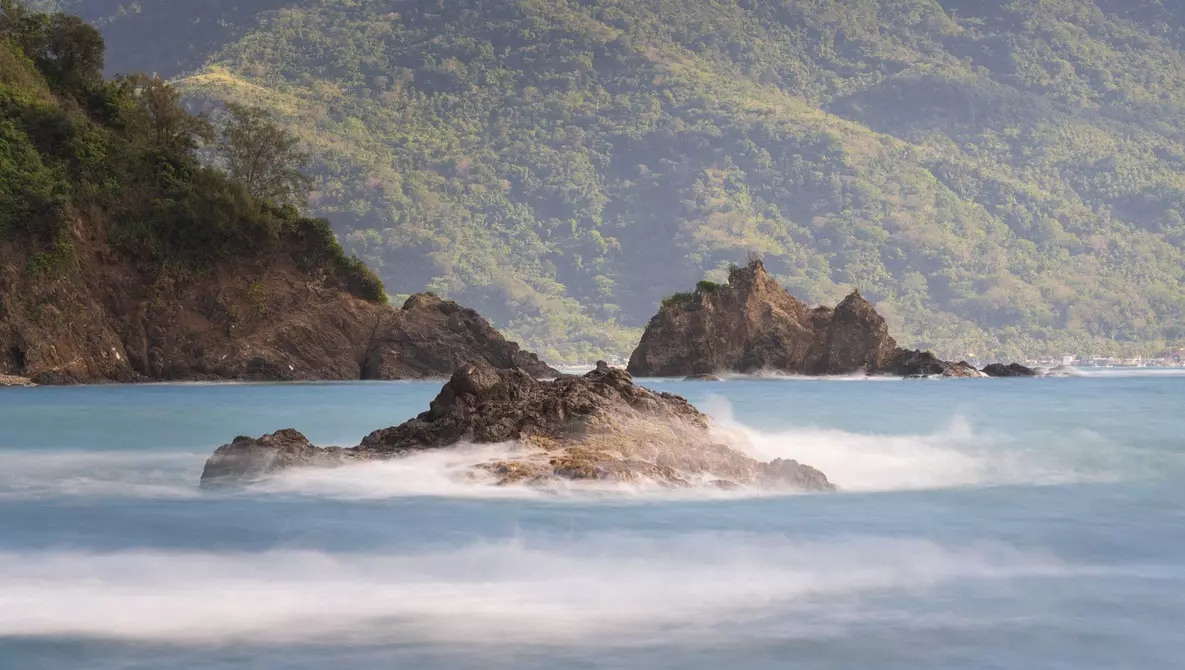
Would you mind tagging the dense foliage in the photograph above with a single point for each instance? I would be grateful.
(999, 177)
(122, 155)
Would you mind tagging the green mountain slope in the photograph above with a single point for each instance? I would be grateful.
(998, 177)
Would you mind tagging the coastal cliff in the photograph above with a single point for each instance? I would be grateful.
(752, 324)
(261, 318)
(140, 241)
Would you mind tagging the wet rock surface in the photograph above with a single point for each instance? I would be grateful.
(752, 324)
(597, 427)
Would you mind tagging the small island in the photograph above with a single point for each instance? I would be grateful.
(752, 324)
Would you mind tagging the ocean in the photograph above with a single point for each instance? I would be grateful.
(982, 524)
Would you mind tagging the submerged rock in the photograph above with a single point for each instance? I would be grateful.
(1063, 371)
(1011, 370)
(599, 426)
(752, 324)
(701, 378)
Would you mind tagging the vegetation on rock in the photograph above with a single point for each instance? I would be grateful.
(75, 147)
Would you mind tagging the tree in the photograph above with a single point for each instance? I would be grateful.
(263, 157)
(68, 50)
(158, 118)
(75, 50)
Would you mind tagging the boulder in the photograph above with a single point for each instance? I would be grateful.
(249, 458)
(752, 324)
(599, 427)
(1010, 370)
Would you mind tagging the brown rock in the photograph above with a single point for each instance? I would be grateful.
(600, 426)
(753, 324)
(265, 318)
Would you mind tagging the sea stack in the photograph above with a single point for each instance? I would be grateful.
(752, 324)
(596, 427)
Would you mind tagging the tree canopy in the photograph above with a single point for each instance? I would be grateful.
(122, 157)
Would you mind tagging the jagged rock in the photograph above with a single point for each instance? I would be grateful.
(701, 378)
(752, 324)
(923, 364)
(857, 338)
(600, 426)
(1011, 370)
(250, 458)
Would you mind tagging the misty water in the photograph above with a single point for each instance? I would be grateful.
(983, 524)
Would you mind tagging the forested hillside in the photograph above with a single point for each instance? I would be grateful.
(999, 178)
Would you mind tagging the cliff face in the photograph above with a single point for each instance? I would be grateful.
(753, 324)
(256, 318)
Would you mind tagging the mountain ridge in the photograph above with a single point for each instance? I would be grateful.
(999, 178)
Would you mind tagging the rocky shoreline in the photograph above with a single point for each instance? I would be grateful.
(599, 427)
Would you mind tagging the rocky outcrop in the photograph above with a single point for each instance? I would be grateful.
(752, 324)
(701, 378)
(8, 380)
(597, 427)
(1010, 370)
(264, 318)
(924, 365)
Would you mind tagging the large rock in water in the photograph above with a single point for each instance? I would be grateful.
(599, 427)
(752, 324)
(1011, 370)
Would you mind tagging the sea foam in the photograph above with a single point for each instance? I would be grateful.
(609, 588)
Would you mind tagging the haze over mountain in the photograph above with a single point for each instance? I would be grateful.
(998, 178)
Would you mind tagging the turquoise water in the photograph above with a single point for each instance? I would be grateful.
(983, 524)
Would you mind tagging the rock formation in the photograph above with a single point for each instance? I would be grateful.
(923, 365)
(597, 427)
(1011, 370)
(752, 324)
(259, 319)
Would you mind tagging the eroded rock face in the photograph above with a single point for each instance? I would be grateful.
(753, 324)
(268, 321)
(600, 427)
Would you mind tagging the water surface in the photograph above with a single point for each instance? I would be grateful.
(983, 524)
